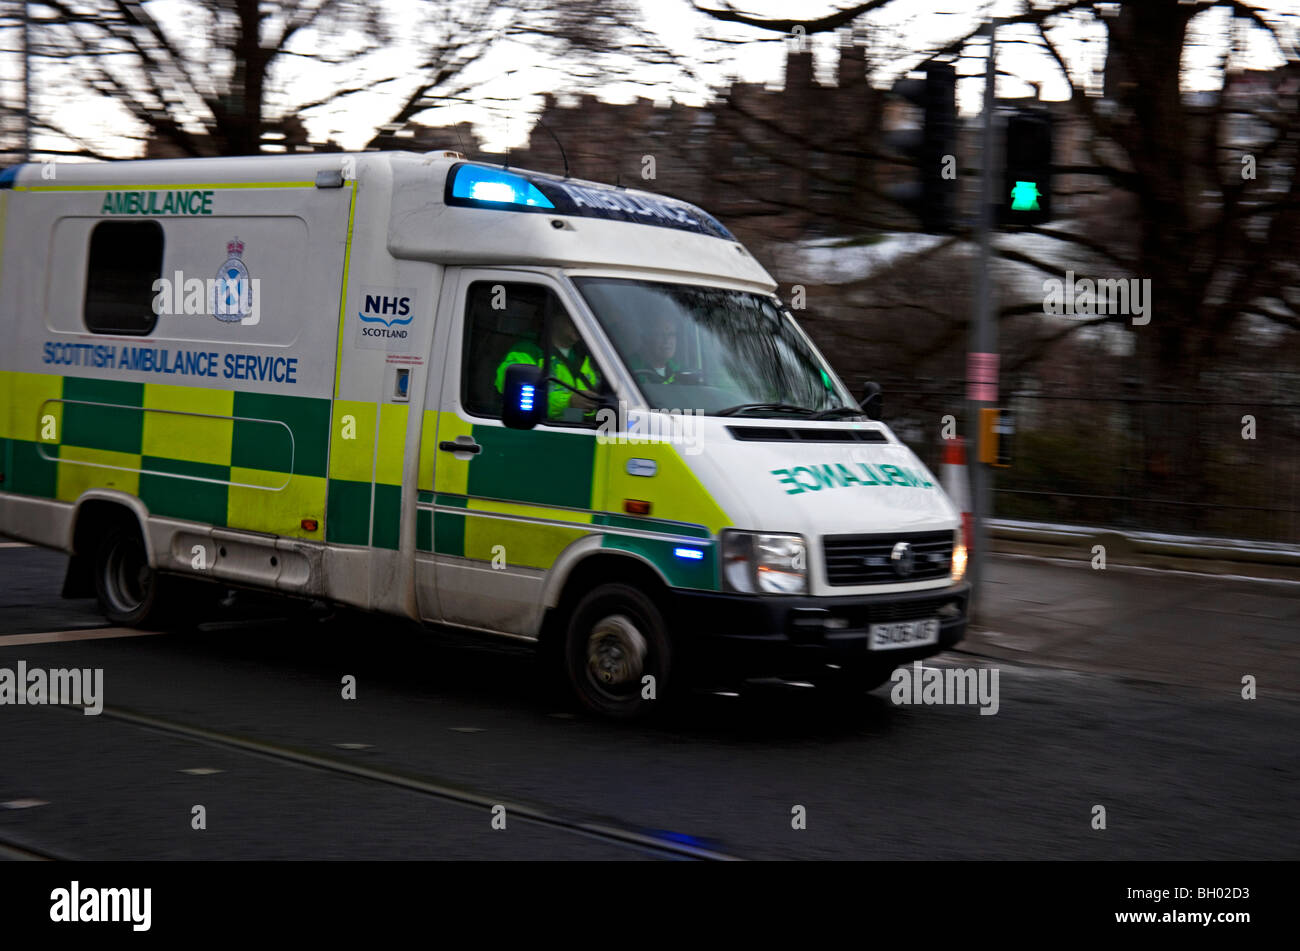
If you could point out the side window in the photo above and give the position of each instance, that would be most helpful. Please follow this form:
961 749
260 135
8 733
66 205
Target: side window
508 323
125 260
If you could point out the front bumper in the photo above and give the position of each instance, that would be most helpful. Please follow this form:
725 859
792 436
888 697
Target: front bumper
744 636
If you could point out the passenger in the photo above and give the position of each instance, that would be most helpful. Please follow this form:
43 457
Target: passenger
654 363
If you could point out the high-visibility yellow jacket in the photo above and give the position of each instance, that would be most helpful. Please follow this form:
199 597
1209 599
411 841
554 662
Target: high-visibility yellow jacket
584 377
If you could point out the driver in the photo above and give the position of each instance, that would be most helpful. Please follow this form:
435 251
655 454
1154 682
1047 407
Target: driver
570 363
654 363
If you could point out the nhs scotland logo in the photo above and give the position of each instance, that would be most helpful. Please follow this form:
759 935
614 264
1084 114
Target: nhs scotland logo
385 318
399 307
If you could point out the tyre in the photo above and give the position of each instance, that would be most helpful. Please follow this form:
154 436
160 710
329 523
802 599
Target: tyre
130 592
615 638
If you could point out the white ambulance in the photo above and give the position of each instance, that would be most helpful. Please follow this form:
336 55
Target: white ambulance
526 405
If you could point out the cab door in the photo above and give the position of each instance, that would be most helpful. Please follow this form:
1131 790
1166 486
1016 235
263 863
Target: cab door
505 503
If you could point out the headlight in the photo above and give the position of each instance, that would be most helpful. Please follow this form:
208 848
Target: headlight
959 554
764 564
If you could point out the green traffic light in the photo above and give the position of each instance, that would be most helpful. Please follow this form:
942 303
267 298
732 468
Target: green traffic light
1024 197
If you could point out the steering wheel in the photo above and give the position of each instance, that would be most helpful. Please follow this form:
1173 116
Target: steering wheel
647 376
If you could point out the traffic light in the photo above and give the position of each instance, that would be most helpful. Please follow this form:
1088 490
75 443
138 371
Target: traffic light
1026 197
932 194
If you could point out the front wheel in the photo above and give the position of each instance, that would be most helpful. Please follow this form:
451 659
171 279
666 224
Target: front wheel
129 590
617 653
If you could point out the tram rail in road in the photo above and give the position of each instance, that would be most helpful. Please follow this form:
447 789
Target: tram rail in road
606 832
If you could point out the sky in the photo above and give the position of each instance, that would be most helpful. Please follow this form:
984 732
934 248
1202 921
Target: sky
512 77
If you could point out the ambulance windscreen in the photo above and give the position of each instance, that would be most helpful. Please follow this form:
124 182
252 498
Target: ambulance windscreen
713 350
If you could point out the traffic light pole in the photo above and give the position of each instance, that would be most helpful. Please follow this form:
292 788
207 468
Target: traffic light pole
982 356
27 84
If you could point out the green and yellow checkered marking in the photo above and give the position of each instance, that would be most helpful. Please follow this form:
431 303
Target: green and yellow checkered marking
242 460
365 473
266 462
535 492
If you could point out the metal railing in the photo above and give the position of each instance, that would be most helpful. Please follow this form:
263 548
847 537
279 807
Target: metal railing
1220 466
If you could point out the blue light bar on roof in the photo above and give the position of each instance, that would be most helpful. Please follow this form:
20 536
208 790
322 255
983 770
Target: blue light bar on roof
495 186
480 186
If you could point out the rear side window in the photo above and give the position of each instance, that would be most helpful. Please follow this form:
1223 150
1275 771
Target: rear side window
125 260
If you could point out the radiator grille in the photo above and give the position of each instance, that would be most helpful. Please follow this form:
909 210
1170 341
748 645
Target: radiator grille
867 559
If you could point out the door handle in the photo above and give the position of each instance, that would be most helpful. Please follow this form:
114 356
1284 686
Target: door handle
449 446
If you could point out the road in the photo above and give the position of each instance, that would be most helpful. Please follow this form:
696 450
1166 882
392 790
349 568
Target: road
246 717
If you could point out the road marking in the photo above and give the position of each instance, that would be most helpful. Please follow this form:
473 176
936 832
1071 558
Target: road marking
89 634
14 545
23 803
202 771
18 853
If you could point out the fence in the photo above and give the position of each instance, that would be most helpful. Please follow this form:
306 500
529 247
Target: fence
1218 466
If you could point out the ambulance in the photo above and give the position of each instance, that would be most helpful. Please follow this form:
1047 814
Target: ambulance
528 406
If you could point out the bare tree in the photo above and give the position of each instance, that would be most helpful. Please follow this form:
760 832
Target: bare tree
1175 159
1209 213
218 77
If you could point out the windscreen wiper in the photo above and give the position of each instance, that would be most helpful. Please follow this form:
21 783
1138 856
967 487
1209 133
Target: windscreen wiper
746 407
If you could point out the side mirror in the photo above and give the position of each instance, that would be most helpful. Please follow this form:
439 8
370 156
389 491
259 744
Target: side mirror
607 398
873 401
523 396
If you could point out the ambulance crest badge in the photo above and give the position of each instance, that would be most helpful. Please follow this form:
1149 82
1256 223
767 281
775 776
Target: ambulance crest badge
232 293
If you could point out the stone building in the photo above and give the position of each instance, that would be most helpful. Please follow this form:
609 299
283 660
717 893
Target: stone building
775 164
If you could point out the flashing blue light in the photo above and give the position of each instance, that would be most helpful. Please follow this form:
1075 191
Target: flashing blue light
669 836
526 397
693 554
492 191
496 186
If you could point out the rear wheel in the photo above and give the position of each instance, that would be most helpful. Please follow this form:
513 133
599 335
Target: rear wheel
615 639
130 591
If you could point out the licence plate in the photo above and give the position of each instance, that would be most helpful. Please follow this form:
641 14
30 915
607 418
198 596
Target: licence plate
887 637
